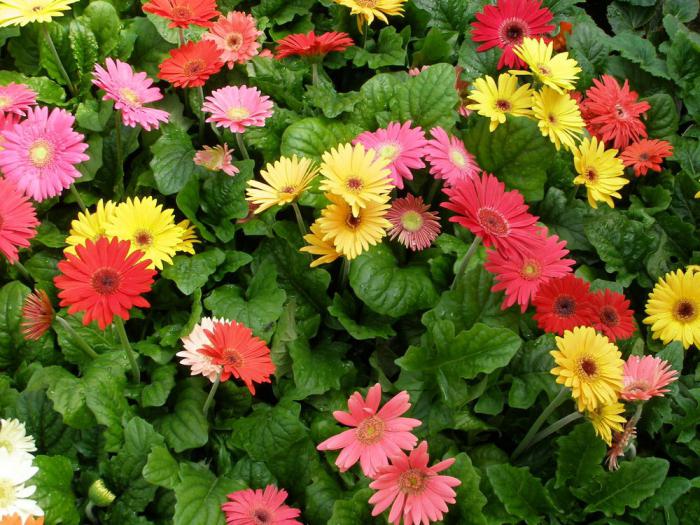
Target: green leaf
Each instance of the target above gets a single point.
(454, 15)
(579, 456)
(199, 495)
(49, 235)
(470, 499)
(530, 373)
(376, 94)
(663, 499)
(662, 118)
(83, 45)
(59, 38)
(477, 63)
(35, 410)
(522, 493)
(684, 10)
(352, 511)
(190, 272)
(566, 218)
(155, 394)
(590, 46)
(387, 51)
(282, 11)
(11, 298)
(105, 24)
(161, 468)
(96, 339)
(641, 52)
(104, 388)
(172, 164)
(92, 115)
(318, 371)
(311, 137)
(70, 400)
(185, 427)
(331, 103)
(370, 325)
(223, 197)
(54, 492)
(429, 99)
(683, 58)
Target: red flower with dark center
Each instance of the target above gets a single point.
(103, 281)
(17, 220)
(37, 315)
(183, 13)
(562, 304)
(610, 314)
(645, 155)
(191, 65)
(310, 44)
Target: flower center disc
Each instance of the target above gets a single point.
(370, 431)
(564, 306)
(503, 105)
(685, 311)
(193, 67)
(389, 151)
(590, 175)
(182, 11)
(412, 481)
(238, 113)
(105, 281)
(7, 494)
(352, 222)
(130, 96)
(492, 221)
(638, 386)
(232, 357)
(261, 517)
(354, 184)
(412, 221)
(143, 238)
(457, 158)
(366, 3)
(41, 153)
(4, 102)
(531, 270)
(588, 367)
(234, 41)
(608, 316)
(7, 445)
(512, 31)
(544, 70)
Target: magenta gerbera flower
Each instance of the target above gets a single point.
(413, 222)
(399, 143)
(130, 91)
(237, 107)
(449, 159)
(7, 122)
(378, 433)
(18, 221)
(40, 153)
(16, 98)
(645, 377)
(258, 507)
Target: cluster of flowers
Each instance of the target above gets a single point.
(17, 460)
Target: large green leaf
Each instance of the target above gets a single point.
(450, 14)
(54, 492)
(470, 500)
(521, 493)
(311, 137)
(156, 393)
(199, 495)
(190, 272)
(44, 424)
(369, 326)
(352, 511)
(317, 371)
(662, 117)
(579, 456)
(429, 99)
(388, 50)
(161, 468)
(530, 373)
(172, 164)
(640, 51)
(11, 298)
(185, 427)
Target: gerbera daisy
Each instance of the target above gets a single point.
(610, 314)
(449, 159)
(590, 365)
(559, 72)
(520, 272)
(673, 308)
(606, 419)
(14, 438)
(285, 180)
(645, 377)
(90, 225)
(413, 222)
(130, 91)
(646, 155)
(199, 363)
(495, 102)
(310, 44)
(258, 507)
(7, 122)
(612, 112)
(16, 99)
(401, 145)
(18, 220)
(148, 227)
(353, 234)
(37, 316)
(366, 10)
(41, 151)
(188, 238)
(559, 41)
(217, 158)
(562, 304)
(558, 117)
(462, 89)
(600, 170)
(103, 280)
(376, 433)
(17, 470)
(183, 13)
(16, 520)
(357, 175)
(485, 208)
(236, 36)
(416, 492)
(191, 64)
(233, 346)
(22, 12)
(238, 107)
(317, 246)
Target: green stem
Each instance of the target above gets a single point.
(76, 337)
(201, 115)
(364, 38)
(130, 355)
(465, 261)
(314, 73)
(527, 440)
(23, 271)
(212, 393)
(77, 197)
(59, 63)
(433, 190)
(181, 34)
(119, 186)
(300, 219)
(344, 273)
(241, 145)
(637, 415)
(555, 427)
(572, 195)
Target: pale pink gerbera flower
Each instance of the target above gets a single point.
(199, 363)
(645, 377)
(130, 91)
(258, 507)
(401, 144)
(236, 37)
(415, 491)
(40, 153)
(237, 107)
(377, 434)
(413, 222)
(415, 71)
(217, 158)
(16, 98)
(449, 159)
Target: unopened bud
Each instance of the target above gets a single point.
(100, 495)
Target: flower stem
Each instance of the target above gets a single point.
(433, 190)
(52, 48)
(364, 33)
(344, 273)
(241, 145)
(77, 339)
(465, 261)
(527, 440)
(212, 393)
(181, 35)
(201, 115)
(637, 415)
(130, 355)
(556, 426)
(300, 219)
(572, 195)
(119, 186)
(77, 197)
(23, 271)
(314, 73)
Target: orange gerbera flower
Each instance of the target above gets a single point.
(183, 13)
(645, 155)
(192, 64)
(16, 520)
(560, 40)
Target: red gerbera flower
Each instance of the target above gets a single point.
(191, 65)
(562, 304)
(183, 13)
(645, 155)
(610, 314)
(612, 112)
(507, 23)
(233, 346)
(103, 280)
(310, 44)
(37, 315)
(17, 220)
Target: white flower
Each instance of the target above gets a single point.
(200, 363)
(14, 438)
(15, 471)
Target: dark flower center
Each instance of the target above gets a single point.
(564, 306)
(588, 366)
(352, 221)
(105, 281)
(143, 238)
(512, 31)
(685, 311)
(503, 105)
(492, 221)
(182, 11)
(412, 481)
(234, 41)
(193, 67)
(232, 357)
(608, 316)
(552, 119)
(621, 112)
(644, 156)
(262, 517)
(370, 431)
(354, 184)
(590, 175)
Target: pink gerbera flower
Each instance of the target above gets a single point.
(217, 158)
(237, 107)
(236, 36)
(413, 222)
(415, 491)
(16, 98)
(645, 377)
(17, 220)
(199, 363)
(399, 143)
(130, 91)
(449, 159)
(40, 153)
(415, 71)
(7, 122)
(377, 433)
(258, 507)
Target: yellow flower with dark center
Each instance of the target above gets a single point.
(607, 418)
(285, 180)
(23, 12)
(368, 10)
(558, 72)
(90, 226)
(188, 239)
(317, 246)
(497, 101)
(558, 117)
(600, 170)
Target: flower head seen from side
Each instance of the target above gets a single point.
(192, 64)
(312, 45)
(16, 99)
(449, 159)
(607, 418)
(90, 225)
(673, 308)
(645, 377)
(600, 170)
(557, 71)
(413, 223)
(377, 433)
(558, 117)
(236, 36)
(104, 279)
(416, 493)
(21, 12)
(16, 495)
(367, 10)
(285, 180)
(318, 246)
(218, 158)
(562, 304)
(40, 153)
(645, 155)
(130, 91)
(188, 238)
(37, 315)
(495, 101)
(400, 144)
(15, 519)
(196, 340)
(237, 108)
(619, 445)
(611, 314)
(18, 222)
(260, 507)
(14, 439)
(242, 355)
(183, 13)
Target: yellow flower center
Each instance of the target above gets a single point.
(7, 494)
(412, 221)
(388, 151)
(354, 184)
(503, 105)
(586, 368)
(41, 153)
(370, 431)
(412, 481)
(234, 41)
(130, 96)
(4, 102)
(457, 158)
(531, 270)
(685, 311)
(238, 113)
(6, 444)
(367, 3)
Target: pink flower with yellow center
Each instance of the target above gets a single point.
(260, 507)
(413, 223)
(237, 108)
(16, 99)
(449, 159)
(217, 158)
(645, 377)
(236, 36)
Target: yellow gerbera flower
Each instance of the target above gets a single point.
(353, 234)
(607, 418)
(90, 226)
(357, 175)
(558, 117)
(286, 179)
(23, 12)
(495, 102)
(600, 170)
(674, 308)
(188, 239)
(367, 10)
(590, 365)
(149, 228)
(317, 246)
(558, 72)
